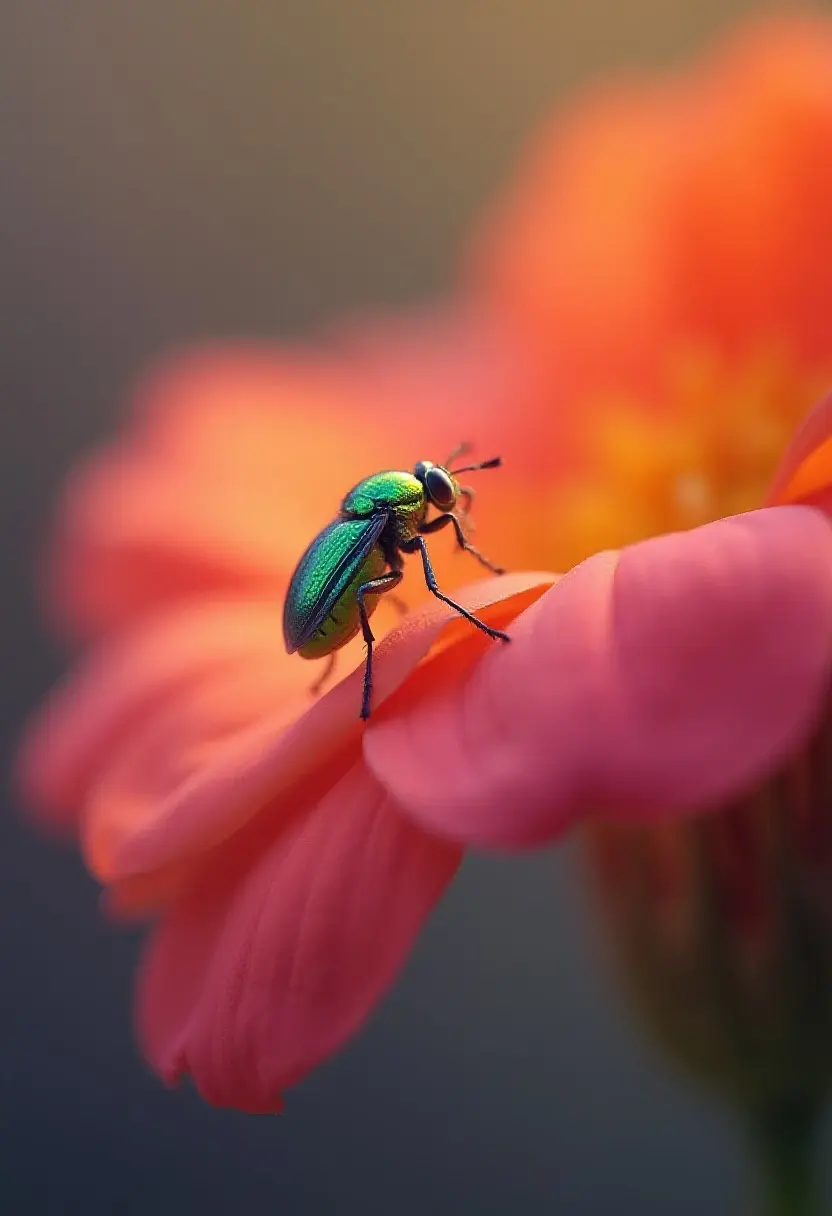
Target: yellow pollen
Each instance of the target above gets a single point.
(694, 494)
(704, 448)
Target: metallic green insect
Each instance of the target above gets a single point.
(357, 558)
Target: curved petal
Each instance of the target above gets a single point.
(257, 976)
(656, 680)
(179, 739)
(116, 691)
(805, 471)
(270, 763)
(148, 895)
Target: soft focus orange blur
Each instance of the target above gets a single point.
(183, 170)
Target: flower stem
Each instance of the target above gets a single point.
(784, 1138)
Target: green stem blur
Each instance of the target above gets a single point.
(784, 1140)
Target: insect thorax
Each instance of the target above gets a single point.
(395, 491)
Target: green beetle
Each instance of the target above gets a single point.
(357, 558)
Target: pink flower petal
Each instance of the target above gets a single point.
(257, 976)
(660, 679)
(265, 763)
(176, 741)
(147, 895)
(118, 688)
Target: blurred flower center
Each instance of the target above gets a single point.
(706, 448)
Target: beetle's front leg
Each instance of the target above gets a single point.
(448, 517)
(375, 586)
(417, 545)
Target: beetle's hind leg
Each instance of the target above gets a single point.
(315, 689)
(417, 544)
(385, 582)
(448, 517)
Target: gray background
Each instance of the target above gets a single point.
(173, 169)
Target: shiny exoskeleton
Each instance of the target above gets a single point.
(358, 558)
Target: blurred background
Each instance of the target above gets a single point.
(176, 169)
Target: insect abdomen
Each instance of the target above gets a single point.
(343, 621)
(323, 574)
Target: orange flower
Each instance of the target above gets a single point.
(290, 855)
(664, 260)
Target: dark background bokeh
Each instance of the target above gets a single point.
(173, 169)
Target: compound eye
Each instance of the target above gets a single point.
(440, 488)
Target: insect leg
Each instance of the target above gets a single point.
(448, 517)
(467, 494)
(324, 676)
(418, 544)
(385, 582)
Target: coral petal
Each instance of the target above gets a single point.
(119, 687)
(256, 977)
(656, 680)
(263, 764)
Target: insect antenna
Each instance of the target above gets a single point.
(494, 463)
(461, 449)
